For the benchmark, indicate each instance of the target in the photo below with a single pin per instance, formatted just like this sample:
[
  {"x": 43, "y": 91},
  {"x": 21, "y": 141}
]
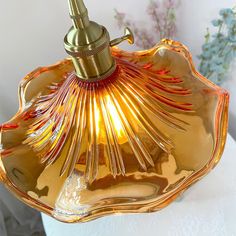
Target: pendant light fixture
[{"x": 108, "y": 131}]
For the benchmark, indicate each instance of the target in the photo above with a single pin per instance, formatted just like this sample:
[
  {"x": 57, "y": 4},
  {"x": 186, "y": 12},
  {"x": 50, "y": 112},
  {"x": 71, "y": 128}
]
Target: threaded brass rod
[{"x": 78, "y": 14}]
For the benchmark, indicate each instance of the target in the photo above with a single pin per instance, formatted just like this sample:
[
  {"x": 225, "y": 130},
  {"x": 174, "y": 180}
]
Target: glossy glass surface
[{"x": 130, "y": 143}]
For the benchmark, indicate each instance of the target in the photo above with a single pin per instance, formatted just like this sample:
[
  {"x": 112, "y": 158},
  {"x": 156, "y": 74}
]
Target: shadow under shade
[
  {"x": 17, "y": 219},
  {"x": 232, "y": 127}
]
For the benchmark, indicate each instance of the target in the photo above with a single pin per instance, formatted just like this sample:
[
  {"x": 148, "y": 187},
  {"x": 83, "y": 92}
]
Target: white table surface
[{"x": 208, "y": 208}]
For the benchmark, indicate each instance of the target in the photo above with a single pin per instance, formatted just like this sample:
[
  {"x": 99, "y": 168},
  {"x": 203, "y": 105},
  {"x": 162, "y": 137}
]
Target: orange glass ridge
[{"x": 130, "y": 143}]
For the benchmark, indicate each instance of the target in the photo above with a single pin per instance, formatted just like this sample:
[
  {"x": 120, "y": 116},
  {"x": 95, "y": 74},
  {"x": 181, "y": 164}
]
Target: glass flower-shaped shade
[{"x": 130, "y": 143}]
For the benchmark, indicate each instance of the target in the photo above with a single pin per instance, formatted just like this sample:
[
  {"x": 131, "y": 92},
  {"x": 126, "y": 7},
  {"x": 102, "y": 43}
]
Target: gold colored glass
[{"x": 132, "y": 142}]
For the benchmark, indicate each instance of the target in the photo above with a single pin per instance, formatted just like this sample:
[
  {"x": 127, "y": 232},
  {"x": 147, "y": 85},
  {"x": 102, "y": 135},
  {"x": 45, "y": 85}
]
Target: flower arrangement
[
  {"x": 163, "y": 17},
  {"x": 219, "y": 49}
]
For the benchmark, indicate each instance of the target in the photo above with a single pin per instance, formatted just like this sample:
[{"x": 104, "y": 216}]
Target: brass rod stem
[{"x": 78, "y": 14}]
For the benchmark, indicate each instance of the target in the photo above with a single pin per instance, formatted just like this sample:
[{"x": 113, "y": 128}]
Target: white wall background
[{"x": 32, "y": 35}]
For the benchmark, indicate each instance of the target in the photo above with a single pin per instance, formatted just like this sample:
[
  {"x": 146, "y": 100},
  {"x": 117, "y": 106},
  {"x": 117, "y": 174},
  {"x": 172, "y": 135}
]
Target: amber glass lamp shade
[
  {"x": 110, "y": 131},
  {"x": 132, "y": 142}
]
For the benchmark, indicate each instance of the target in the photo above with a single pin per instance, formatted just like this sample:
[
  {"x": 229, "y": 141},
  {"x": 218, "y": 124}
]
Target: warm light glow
[
  {"x": 114, "y": 116},
  {"x": 116, "y": 120},
  {"x": 97, "y": 118}
]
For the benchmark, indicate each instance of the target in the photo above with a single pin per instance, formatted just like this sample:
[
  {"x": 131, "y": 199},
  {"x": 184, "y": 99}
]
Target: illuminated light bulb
[
  {"x": 116, "y": 121},
  {"x": 110, "y": 131}
]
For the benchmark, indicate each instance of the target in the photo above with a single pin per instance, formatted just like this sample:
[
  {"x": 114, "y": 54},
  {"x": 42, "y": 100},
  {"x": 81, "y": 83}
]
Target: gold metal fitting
[
  {"x": 88, "y": 43},
  {"x": 128, "y": 35}
]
